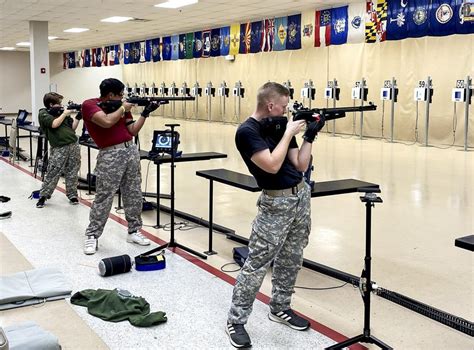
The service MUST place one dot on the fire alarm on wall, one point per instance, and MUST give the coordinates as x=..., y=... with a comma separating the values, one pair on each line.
x=43, y=70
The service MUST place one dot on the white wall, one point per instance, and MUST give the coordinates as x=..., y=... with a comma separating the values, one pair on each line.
x=79, y=84
x=75, y=84
x=15, y=90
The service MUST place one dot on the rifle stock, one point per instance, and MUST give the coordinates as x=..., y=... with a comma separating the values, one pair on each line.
x=300, y=112
x=145, y=101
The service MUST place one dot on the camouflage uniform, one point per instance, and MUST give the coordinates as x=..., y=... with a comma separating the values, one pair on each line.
x=65, y=159
x=117, y=167
x=279, y=233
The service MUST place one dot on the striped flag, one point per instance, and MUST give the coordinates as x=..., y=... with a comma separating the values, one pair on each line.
x=376, y=24
x=322, y=28
x=268, y=35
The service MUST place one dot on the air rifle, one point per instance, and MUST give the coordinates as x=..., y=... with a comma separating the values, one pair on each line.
x=74, y=106
x=274, y=127
x=111, y=106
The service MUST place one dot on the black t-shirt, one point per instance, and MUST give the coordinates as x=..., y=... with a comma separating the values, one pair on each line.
x=249, y=140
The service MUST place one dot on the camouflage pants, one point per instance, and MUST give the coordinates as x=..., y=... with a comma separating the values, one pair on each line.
x=279, y=234
x=64, y=159
x=117, y=168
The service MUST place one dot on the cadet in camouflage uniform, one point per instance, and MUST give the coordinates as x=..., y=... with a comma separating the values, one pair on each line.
x=282, y=226
x=64, y=156
x=118, y=162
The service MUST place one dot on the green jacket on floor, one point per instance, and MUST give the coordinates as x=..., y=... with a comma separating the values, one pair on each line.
x=118, y=305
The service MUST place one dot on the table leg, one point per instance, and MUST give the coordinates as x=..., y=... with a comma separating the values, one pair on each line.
x=211, y=194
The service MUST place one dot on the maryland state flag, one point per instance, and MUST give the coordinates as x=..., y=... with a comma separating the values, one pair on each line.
x=293, y=38
x=155, y=49
x=234, y=39
x=245, y=37
x=215, y=42
x=281, y=24
x=189, y=45
x=268, y=35
x=225, y=41
x=206, y=43
x=166, y=50
x=197, y=50
x=376, y=24
x=182, y=47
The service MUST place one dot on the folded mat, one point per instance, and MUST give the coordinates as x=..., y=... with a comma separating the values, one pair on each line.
x=30, y=336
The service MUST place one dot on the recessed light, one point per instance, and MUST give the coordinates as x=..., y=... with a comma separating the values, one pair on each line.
x=76, y=30
x=23, y=43
x=7, y=48
x=174, y=4
x=116, y=19
x=52, y=37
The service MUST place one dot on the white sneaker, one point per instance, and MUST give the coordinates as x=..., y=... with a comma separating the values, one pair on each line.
x=137, y=238
x=90, y=245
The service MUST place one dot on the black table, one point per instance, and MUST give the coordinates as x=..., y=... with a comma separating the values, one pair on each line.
x=185, y=157
x=6, y=122
x=466, y=242
x=248, y=183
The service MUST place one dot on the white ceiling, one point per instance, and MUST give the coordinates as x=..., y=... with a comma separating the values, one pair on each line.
x=63, y=14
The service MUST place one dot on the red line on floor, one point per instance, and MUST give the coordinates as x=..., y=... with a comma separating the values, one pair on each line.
x=320, y=328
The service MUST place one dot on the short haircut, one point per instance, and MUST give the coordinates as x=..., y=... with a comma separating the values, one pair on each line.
x=112, y=85
x=52, y=98
x=269, y=91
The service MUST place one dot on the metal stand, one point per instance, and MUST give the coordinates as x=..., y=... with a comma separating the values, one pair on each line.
x=223, y=93
x=196, y=92
x=209, y=92
x=238, y=93
x=468, y=92
x=172, y=243
x=365, y=284
x=362, y=86
x=184, y=93
x=174, y=93
x=427, y=108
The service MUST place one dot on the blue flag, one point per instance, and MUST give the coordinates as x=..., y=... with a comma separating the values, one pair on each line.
x=197, y=48
x=339, y=25
x=135, y=52
x=215, y=42
x=225, y=41
x=279, y=43
x=166, y=50
x=87, y=58
x=418, y=18
x=98, y=56
x=293, y=37
x=206, y=43
x=175, y=47
x=71, y=60
x=182, y=47
x=148, y=50
x=397, y=20
x=464, y=17
x=256, y=36
x=155, y=49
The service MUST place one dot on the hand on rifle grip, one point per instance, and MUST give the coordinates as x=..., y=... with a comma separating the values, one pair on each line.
x=313, y=128
x=152, y=106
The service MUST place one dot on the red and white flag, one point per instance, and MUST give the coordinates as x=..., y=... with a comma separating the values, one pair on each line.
x=322, y=28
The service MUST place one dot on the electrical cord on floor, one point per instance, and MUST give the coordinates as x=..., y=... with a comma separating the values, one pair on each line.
x=146, y=178
x=322, y=288
x=231, y=263
x=455, y=124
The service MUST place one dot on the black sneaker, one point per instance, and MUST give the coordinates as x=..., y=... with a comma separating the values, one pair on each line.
x=290, y=319
x=74, y=200
x=40, y=203
x=238, y=336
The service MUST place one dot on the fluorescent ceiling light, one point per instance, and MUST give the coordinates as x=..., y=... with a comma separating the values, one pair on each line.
x=23, y=43
x=76, y=30
x=174, y=4
x=52, y=37
x=116, y=19
x=7, y=48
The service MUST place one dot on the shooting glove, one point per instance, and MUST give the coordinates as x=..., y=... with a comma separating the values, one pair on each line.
x=313, y=128
x=78, y=116
x=150, y=108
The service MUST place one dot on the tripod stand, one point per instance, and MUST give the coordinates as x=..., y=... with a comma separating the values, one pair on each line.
x=172, y=243
x=365, y=283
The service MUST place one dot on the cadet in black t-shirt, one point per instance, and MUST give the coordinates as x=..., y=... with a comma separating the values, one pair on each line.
x=282, y=226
